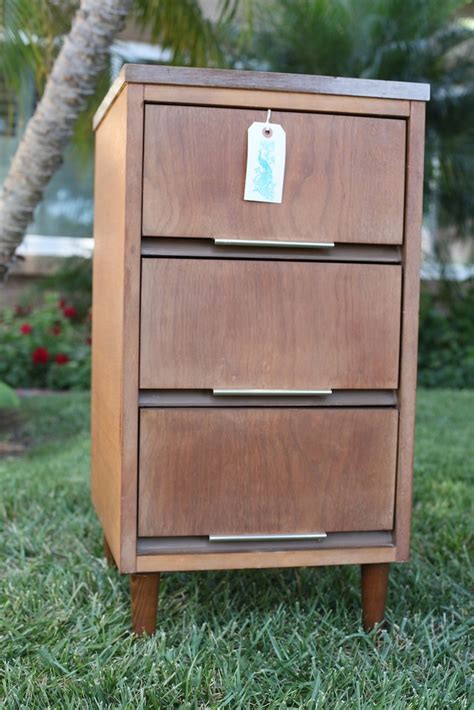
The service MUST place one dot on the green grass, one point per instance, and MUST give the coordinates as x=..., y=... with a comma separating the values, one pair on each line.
x=247, y=639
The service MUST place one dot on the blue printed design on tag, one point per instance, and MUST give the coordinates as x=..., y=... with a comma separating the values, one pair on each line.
x=266, y=151
x=263, y=181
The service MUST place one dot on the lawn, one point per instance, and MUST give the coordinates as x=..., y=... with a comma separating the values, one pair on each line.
x=247, y=639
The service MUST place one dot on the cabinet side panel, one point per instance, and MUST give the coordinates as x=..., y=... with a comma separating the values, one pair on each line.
x=409, y=335
x=131, y=320
x=107, y=320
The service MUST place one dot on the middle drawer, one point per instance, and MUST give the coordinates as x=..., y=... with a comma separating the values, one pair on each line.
x=217, y=324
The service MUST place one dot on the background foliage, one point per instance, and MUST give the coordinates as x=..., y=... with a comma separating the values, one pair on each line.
x=407, y=40
x=446, y=342
x=404, y=40
x=46, y=345
x=413, y=40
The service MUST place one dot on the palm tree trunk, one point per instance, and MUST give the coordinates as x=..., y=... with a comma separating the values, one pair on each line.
x=72, y=79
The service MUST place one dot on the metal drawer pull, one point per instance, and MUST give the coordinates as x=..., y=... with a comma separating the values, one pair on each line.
x=273, y=393
x=269, y=538
x=271, y=243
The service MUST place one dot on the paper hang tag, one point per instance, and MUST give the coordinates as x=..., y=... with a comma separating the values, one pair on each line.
x=266, y=153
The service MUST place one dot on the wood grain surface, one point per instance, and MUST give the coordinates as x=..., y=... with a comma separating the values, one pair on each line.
x=218, y=317
x=246, y=81
x=263, y=99
x=262, y=560
x=107, y=321
x=344, y=177
x=409, y=333
x=374, y=587
x=307, y=83
x=144, y=590
x=269, y=325
x=115, y=332
x=266, y=471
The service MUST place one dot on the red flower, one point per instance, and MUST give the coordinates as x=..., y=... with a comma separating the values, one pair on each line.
x=56, y=329
x=61, y=303
x=61, y=359
x=26, y=328
x=40, y=356
x=69, y=312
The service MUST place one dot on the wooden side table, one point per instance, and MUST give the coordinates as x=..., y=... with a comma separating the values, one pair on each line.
x=254, y=364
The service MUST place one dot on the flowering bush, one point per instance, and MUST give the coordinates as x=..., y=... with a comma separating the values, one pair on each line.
x=47, y=345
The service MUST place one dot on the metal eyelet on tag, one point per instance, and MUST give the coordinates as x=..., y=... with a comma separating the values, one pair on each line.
x=266, y=154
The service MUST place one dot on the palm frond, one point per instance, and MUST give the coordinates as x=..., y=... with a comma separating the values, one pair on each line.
x=31, y=35
x=424, y=57
x=411, y=40
x=180, y=27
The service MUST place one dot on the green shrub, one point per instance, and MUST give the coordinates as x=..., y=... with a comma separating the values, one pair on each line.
x=46, y=346
x=8, y=397
x=73, y=281
x=446, y=344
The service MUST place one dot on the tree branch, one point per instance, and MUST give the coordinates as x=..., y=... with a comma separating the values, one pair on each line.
x=73, y=78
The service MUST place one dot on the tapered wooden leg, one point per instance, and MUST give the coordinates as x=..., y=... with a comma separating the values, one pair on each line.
x=144, y=592
x=374, y=593
x=108, y=553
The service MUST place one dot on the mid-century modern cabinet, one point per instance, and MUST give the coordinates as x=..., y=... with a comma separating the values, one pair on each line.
x=254, y=363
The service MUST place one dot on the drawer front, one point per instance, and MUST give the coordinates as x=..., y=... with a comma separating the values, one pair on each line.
x=344, y=177
x=221, y=324
x=266, y=471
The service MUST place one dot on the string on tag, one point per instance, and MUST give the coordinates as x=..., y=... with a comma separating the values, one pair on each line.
x=267, y=131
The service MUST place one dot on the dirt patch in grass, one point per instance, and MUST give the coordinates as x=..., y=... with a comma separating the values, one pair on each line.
x=13, y=440
x=40, y=418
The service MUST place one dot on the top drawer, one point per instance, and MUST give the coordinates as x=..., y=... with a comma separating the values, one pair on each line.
x=344, y=177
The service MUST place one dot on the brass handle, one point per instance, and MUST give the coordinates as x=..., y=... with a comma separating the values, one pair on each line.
x=272, y=243
x=272, y=393
x=269, y=538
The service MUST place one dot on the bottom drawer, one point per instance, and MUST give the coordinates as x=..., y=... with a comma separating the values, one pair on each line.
x=266, y=471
